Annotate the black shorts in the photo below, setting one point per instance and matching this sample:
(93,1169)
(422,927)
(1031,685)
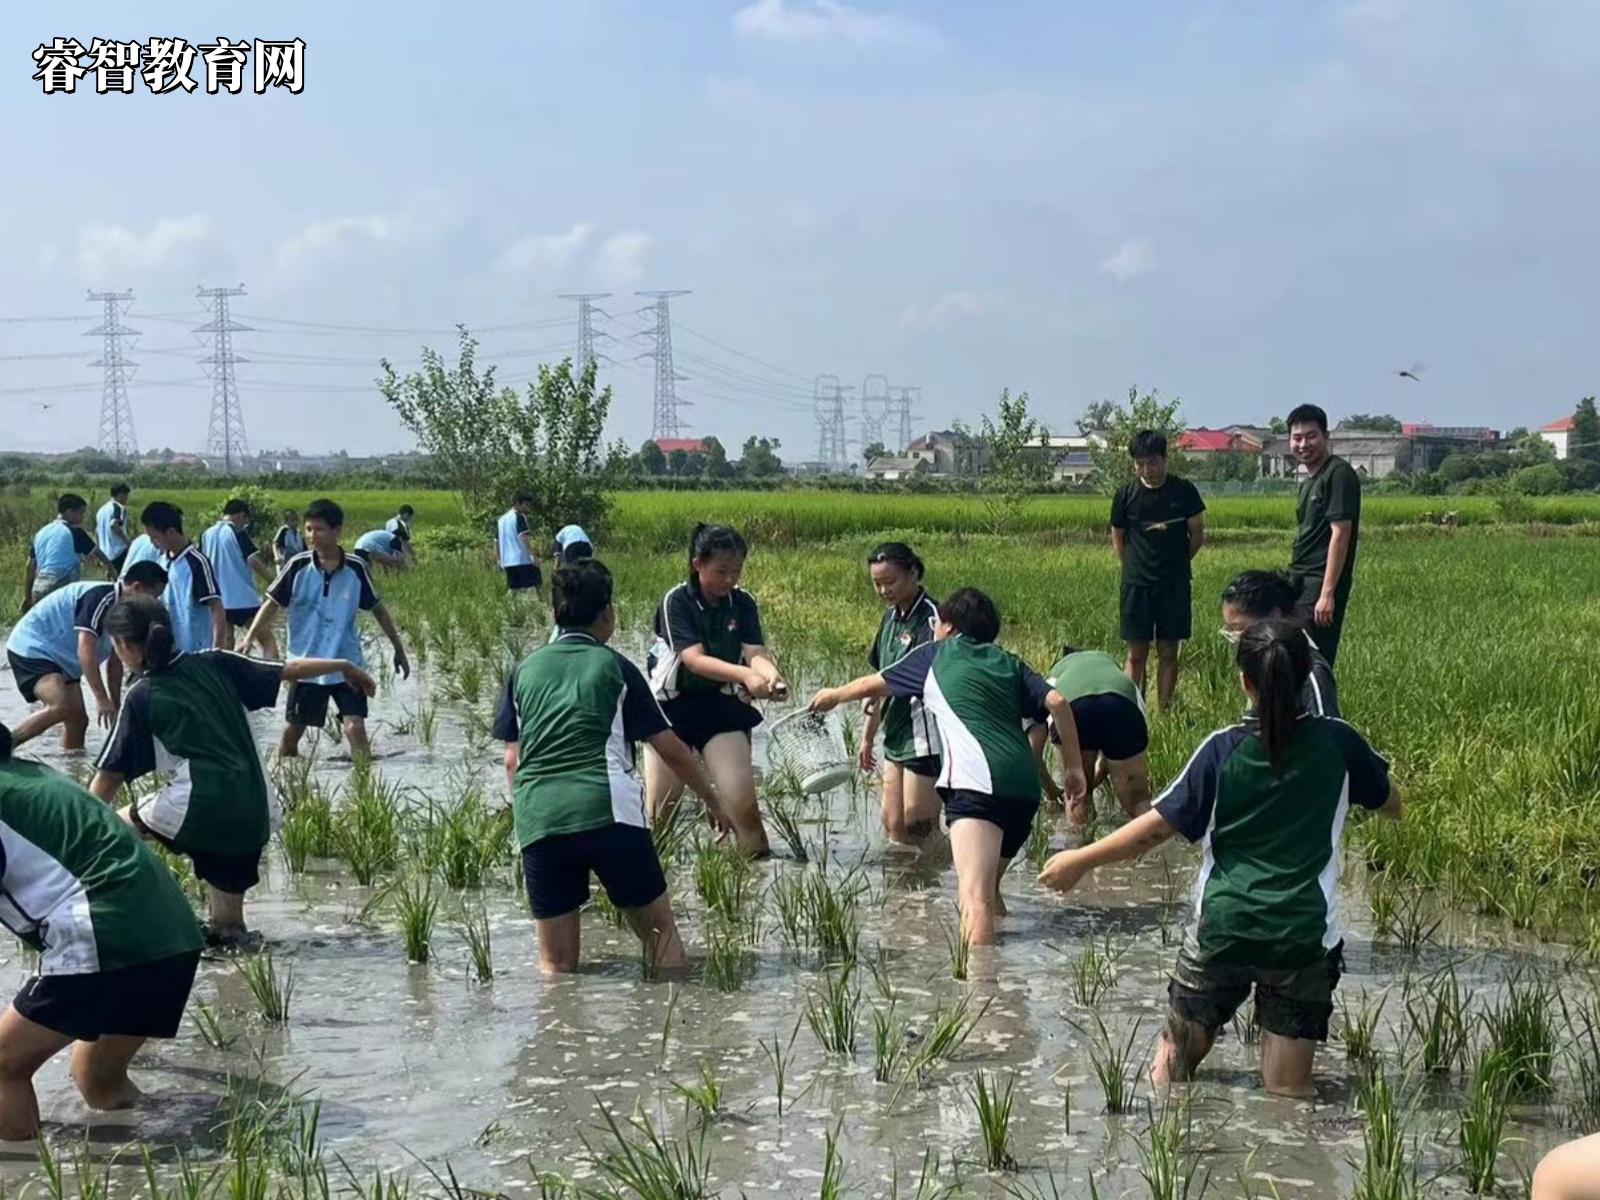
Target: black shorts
(1108,724)
(1292,1003)
(926,765)
(1013,814)
(363,556)
(307,703)
(29,671)
(242,618)
(702,716)
(623,856)
(520,579)
(144,1001)
(235,874)
(577,552)
(119,562)
(1326,637)
(1156,614)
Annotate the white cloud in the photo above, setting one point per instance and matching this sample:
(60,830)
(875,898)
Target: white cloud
(545,253)
(1134,257)
(421,219)
(949,305)
(824,21)
(622,256)
(103,249)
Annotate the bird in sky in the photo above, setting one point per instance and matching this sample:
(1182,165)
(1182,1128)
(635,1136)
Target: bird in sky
(46,407)
(1413,372)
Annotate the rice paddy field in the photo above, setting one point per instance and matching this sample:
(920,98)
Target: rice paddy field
(833,1037)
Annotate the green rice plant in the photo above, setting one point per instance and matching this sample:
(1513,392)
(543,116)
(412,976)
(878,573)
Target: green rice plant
(1583,1024)
(307,831)
(1520,900)
(1359,1030)
(1437,1020)
(958,939)
(948,1031)
(1115,1064)
(190,1182)
(273,993)
(1038,844)
(994,1121)
(1482,1130)
(428,725)
(672,831)
(1400,913)
(929,1185)
(781,1056)
(367,828)
(1094,970)
(602,904)
(889,1043)
(643,1161)
(704,1095)
(1389,1167)
(832,1186)
(724,878)
(1168,1163)
(1522,1028)
(209,1025)
(783,809)
(818,913)
(473,927)
(417,905)
(728,960)
(832,1010)
(465,840)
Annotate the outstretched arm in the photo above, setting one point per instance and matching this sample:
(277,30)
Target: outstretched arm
(1139,836)
(867,686)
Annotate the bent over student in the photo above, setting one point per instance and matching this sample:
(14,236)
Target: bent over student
(1267,798)
(570,717)
(1253,596)
(118,944)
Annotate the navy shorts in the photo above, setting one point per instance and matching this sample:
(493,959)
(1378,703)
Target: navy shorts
(29,671)
(520,579)
(307,703)
(241,618)
(1157,614)
(926,765)
(622,856)
(145,1001)
(234,874)
(1109,724)
(1013,814)
(699,717)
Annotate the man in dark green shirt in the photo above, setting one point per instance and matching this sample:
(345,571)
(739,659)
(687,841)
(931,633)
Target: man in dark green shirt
(1327,528)
(1157,525)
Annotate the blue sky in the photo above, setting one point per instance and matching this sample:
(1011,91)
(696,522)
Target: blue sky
(1244,203)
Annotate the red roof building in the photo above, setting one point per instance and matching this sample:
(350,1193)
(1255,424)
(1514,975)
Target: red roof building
(1214,441)
(687,445)
(1563,425)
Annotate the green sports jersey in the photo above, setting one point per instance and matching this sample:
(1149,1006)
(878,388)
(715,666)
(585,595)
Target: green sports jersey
(188,722)
(908,728)
(1091,673)
(78,885)
(1267,895)
(980,697)
(574,708)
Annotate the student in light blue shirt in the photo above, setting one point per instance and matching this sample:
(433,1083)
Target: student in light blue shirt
(383,548)
(56,554)
(199,622)
(517,558)
(290,538)
(111,527)
(400,526)
(141,549)
(62,640)
(322,591)
(237,562)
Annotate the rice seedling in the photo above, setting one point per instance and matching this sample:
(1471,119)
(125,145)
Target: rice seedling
(417,905)
(1437,1021)
(1038,844)
(367,829)
(1167,1163)
(1094,970)
(723,877)
(473,927)
(1583,1106)
(428,725)
(1400,912)
(781,1056)
(462,841)
(994,1121)
(889,1044)
(602,904)
(643,1161)
(704,1095)
(1389,1167)
(1115,1063)
(1522,1029)
(1482,1130)
(728,961)
(832,1010)
(818,913)
(947,1032)
(191,1182)
(783,811)
(210,1028)
(273,993)
(832,1185)
(929,1185)
(673,832)
(958,939)
(1246,1023)
(1360,1029)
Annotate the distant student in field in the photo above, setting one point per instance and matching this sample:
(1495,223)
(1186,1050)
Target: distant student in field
(1327,528)
(980,697)
(111,528)
(186,717)
(573,544)
(570,718)
(141,549)
(709,662)
(1268,799)
(1158,525)
(400,526)
(517,557)
(1112,734)
(61,641)
(378,547)
(199,621)
(322,591)
(289,540)
(1253,596)
(118,945)
(1569,1172)
(237,562)
(910,800)
(56,554)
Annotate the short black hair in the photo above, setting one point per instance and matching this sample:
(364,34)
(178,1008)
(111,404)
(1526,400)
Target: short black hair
(1261,593)
(120,490)
(1148,443)
(161,515)
(326,511)
(146,573)
(972,614)
(407,511)
(234,507)
(290,512)
(580,592)
(69,502)
(522,498)
(1307,414)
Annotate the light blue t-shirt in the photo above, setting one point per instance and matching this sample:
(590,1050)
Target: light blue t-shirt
(58,549)
(570,535)
(322,607)
(512,552)
(49,630)
(191,586)
(142,549)
(379,541)
(229,559)
(111,513)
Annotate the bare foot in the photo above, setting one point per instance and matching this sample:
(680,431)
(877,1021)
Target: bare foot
(115,1099)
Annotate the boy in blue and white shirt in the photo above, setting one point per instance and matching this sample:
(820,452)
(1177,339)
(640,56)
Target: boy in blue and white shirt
(111,527)
(56,554)
(573,544)
(237,562)
(517,558)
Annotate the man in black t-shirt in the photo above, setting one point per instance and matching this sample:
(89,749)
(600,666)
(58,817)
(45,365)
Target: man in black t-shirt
(1157,525)
(1327,528)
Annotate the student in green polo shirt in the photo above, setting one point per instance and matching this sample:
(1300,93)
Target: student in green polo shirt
(910,803)
(980,697)
(1268,799)
(707,667)
(572,712)
(185,716)
(1112,734)
(117,942)
(1327,529)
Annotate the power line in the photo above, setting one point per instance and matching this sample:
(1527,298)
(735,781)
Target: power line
(743,355)
(664,422)
(898,416)
(874,409)
(831,449)
(226,439)
(116,411)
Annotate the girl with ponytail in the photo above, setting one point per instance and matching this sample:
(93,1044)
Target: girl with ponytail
(1267,798)
(216,807)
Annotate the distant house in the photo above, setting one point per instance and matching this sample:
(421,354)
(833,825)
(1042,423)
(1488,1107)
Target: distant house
(1373,455)
(1075,466)
(937,449)
(687,445)
(1559,435)
(891,469)
(1202,443)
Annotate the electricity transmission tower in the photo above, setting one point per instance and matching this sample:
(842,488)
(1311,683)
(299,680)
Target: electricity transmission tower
(898,417)
(226,439)
(874,409)
(586,311)
(829,406)
(665,423)
(116,412)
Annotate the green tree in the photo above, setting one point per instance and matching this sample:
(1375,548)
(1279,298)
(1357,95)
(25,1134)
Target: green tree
(1532,451)
(1545,479)
(651,460)
(558,449)
(760,459)
(677,463)
(1458,468)
(1009,454)
(1098,416)
(1584,441)
(876,450)
(1373,423)
(1278,425)
(716,456)
(1112,466)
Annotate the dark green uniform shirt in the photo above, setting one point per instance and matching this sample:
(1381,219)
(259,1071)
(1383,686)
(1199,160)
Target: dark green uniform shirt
(908,728)
(1332,494)
(688,617)
(1155,525)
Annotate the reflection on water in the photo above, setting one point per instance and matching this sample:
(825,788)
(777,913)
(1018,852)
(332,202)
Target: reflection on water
(503,1080)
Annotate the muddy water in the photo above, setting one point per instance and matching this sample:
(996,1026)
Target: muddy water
(502,1080)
